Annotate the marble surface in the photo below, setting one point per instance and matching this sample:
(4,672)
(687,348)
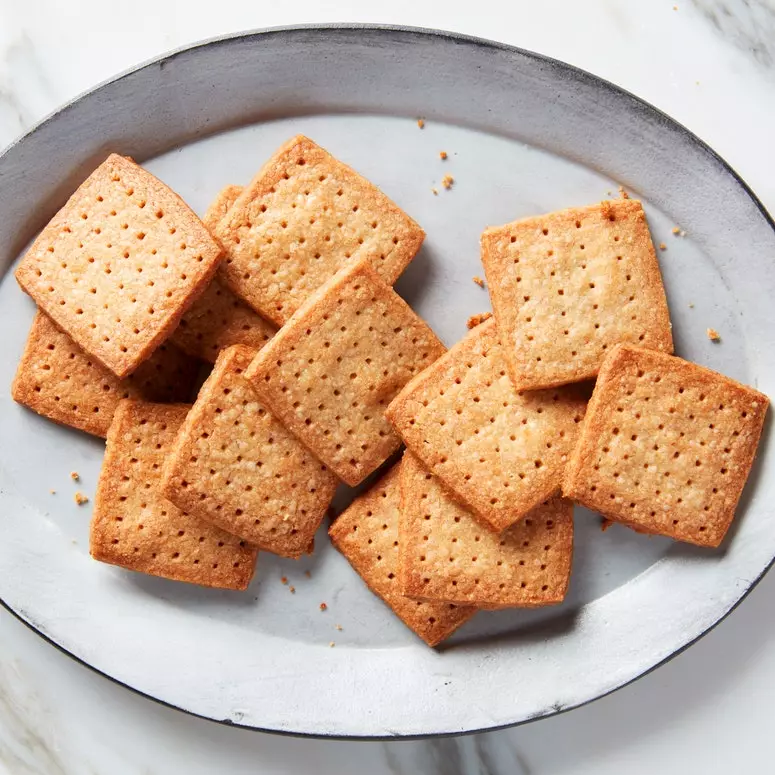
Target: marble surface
(708,63)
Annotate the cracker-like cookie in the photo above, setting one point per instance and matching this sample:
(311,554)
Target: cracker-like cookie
(367,535)
(221,205)
(217,320)
(119,264)
(58,380)
(566,287)
(446,554)
(302,218)
(236,466)
(135,527)
(500,451)
(666,446)
(331,371)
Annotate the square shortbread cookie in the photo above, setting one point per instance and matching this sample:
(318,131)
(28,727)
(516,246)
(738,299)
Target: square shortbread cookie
(446,554)
(666,446)
(135,527)
(566,287)
(119,264)
(218,319)
(331,371)
(236,466)
(500,451)
(221,205)
(58,380)
(302,218)
(367,535)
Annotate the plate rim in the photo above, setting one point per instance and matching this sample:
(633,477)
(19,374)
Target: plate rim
(426,34)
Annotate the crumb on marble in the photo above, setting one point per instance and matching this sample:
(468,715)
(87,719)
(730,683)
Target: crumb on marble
(421,123)
(605,524)
(338,627)
(622,193)
(80,498)
(292,590)
(676,231)
(323,607)
(53,492)
(435,191)
(307,574)
(447,181)
(478,280)
(713,335)
(331,644)
(442,155)
(662,246)
(284,579)
(691,306)
(75,476)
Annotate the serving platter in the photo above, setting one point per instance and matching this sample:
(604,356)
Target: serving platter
(524,135)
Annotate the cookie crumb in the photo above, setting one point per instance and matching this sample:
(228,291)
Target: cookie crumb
(713,335)
(331,644)
(605,524)
(676,231)
(338,627)
(53,492)
(80,498)
(75,476)
(478,280)
(622,193)
(447,181)
(478,319)
(435,191)
(691,306)
(307,574)
(292,590)
(421,123)
(323,607)
(442,155)
(662,246)
(284,579)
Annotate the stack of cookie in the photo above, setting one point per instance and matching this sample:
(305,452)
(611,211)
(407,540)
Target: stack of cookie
(319,372)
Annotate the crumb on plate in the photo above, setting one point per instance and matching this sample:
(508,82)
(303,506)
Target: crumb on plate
(442,155)
(676,230)
(421,123)
(447,181)
(338,627)
(662,246)
(605,524)
(323,607)
(292,590)
(435,191)
(307,574)
(478,280)
(284,579)
(713,335)
(80,498)
(75,476)
(331,644)
(622,193)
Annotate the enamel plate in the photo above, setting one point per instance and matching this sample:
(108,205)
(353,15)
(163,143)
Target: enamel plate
(524,135)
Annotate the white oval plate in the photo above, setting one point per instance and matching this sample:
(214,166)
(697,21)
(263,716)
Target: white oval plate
(524,135)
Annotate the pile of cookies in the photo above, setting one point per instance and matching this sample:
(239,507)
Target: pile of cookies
(319,372)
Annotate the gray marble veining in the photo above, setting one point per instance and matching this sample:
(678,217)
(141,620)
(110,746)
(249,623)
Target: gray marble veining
(25,91)
(747,24)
